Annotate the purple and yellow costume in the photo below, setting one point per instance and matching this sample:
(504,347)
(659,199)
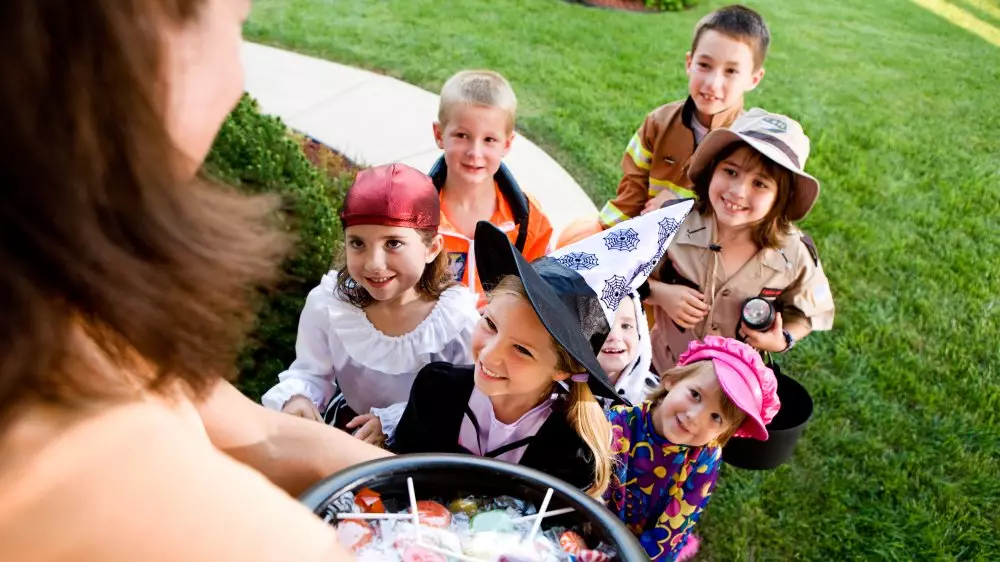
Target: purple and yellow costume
(660,488)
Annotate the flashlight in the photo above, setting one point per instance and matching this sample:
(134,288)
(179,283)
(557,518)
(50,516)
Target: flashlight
(758,314)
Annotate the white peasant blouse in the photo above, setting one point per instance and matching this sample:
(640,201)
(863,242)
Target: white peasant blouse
(337,346)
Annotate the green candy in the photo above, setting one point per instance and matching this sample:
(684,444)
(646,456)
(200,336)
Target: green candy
(495,520)
(468,506)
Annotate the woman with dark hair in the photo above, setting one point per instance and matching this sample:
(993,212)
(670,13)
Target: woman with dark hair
(124,294)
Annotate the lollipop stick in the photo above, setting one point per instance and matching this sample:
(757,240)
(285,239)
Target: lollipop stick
(449,553)
(413,506)
(553,513)
(541,515)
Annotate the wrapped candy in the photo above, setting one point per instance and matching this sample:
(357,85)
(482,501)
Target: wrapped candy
(369,501)
(572,542)
(496,520)
(417,553)
(433,514)
(592,556)
(354,535)
(467,505)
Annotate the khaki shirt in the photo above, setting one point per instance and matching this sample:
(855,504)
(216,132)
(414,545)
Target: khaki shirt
(657,158)
(792,275)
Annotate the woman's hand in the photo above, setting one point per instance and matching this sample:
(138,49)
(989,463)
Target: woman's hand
(772,340)
(302,407)
(370,429)
(684,305)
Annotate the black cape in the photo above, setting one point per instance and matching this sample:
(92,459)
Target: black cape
(433,418)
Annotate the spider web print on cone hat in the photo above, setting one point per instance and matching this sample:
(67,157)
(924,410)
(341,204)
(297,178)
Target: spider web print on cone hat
(617,261)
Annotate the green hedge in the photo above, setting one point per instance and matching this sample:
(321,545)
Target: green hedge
(253,152)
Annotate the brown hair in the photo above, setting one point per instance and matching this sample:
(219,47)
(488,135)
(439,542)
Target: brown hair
(584,412)
(730,411)
(741,24)
(436,279)
(770,232)
(102,244)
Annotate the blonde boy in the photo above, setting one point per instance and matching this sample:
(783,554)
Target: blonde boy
(475,128)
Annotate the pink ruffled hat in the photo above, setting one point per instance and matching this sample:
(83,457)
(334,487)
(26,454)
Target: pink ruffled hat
(744,378)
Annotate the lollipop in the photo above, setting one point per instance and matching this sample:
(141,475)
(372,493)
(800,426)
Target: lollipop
(354,534)
(433,514)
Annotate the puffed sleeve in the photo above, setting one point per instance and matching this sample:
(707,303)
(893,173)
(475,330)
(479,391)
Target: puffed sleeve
(311,374)
(809,299)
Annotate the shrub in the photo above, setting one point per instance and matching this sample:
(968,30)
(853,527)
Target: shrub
(671,5)
(254,153)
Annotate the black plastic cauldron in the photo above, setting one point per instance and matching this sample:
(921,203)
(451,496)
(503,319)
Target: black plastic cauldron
(783,431)
(440,475)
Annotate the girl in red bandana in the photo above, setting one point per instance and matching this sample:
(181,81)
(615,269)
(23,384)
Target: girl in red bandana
(392,308)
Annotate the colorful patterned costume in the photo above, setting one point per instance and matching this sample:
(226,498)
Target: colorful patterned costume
(660,488)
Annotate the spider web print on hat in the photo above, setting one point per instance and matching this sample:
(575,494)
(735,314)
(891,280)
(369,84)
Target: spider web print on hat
(617,261)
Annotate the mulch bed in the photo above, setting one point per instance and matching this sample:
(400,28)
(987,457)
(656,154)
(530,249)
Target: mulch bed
(327,159)
(628,5)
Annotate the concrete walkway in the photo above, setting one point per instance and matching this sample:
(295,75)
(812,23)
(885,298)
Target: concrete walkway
(373,119)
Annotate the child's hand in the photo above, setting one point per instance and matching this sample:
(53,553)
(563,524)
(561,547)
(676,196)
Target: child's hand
(370,428)
(302,407)
(684,305)
(772,340)
(658,201)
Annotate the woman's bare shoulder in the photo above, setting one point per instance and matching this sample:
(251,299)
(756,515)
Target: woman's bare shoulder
(141,482)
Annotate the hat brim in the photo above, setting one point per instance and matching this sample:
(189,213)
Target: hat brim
(496,258)
(804,194)
(736,388)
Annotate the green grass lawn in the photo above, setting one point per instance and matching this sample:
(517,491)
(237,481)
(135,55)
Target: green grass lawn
(902,459)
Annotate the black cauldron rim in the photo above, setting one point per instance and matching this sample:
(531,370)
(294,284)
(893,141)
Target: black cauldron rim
(318,497)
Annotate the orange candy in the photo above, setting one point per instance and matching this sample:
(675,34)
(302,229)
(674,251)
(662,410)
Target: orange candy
(572,543)
(433,514)
(369,501)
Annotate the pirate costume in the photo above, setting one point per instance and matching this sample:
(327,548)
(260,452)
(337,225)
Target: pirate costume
(344,365)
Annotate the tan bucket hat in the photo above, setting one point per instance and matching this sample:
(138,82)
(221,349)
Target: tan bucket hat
(776,136)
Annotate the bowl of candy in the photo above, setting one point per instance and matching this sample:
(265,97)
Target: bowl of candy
(444,508)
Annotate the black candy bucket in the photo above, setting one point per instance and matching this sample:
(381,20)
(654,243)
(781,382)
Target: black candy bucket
(450,475)
(783,431)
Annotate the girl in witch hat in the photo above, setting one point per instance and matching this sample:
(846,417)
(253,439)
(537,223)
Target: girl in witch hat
(367,329)
(669,448)
(545,323)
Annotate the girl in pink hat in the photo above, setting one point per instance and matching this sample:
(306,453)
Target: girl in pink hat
(669,448)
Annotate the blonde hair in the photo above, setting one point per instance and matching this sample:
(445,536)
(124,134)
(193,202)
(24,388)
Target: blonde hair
(478,87)
(729,409)
(583,412)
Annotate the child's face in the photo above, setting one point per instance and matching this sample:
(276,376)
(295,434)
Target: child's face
(720,71)
(741,193)
(475,140)
(623,342)
(388,261)
(691,413)
(513,352)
